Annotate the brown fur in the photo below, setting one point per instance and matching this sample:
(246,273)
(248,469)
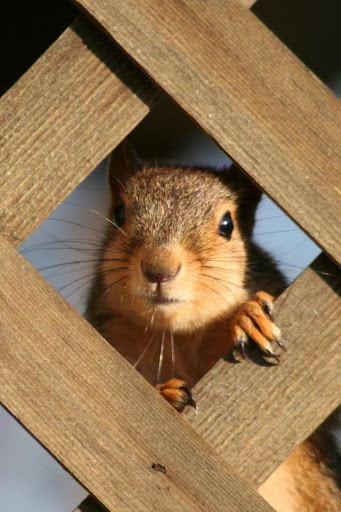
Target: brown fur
(171,224)
(310,479)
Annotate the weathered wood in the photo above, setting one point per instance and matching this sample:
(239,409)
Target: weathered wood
(78,101)
(249,92)
(180,491)
(255,415)
(96,414)
(247,3)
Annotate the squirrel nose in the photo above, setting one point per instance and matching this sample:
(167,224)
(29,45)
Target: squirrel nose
(157,275)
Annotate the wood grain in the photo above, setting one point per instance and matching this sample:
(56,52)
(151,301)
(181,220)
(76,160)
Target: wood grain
(247,91)
(96,414)
(247,3)
(76,103)
(35,343)
(255,416)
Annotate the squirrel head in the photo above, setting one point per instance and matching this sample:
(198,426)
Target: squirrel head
(175,256)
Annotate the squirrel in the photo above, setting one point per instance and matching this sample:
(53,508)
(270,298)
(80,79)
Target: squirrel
(180,284)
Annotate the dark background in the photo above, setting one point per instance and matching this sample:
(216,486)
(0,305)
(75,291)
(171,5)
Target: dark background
(311,28)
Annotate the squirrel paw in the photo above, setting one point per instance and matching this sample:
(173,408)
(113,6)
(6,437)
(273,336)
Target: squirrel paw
(176,393)
(254,320)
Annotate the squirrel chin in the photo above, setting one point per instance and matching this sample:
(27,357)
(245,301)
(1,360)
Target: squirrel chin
(182,317)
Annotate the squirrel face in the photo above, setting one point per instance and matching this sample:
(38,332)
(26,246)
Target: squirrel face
(175,255)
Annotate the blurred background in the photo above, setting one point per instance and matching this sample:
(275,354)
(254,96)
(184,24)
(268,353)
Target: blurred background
(64,247)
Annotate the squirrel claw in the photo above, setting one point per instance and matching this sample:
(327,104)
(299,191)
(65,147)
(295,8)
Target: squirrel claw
(241,349)
(280,344)
(177,394)
(190,400)
(273,355)
(268,308)
(254,321)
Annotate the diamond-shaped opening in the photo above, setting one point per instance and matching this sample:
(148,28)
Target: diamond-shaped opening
(65,250)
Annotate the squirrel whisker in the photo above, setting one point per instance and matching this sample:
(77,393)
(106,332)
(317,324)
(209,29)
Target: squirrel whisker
(109,220)
(162,348)
(215,291)
(85,283)
(92,275)
(222,281)
(173,353)
(143,352)
(91,228)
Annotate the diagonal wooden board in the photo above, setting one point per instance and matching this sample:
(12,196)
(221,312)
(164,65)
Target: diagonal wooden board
(76,103)
(96,414)
(256,415)
(246,90)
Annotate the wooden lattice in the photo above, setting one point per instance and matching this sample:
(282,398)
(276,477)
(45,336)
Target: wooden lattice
(58,376)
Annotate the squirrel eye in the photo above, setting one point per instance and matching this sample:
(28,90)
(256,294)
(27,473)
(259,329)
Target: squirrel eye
(226,225)
(119,215)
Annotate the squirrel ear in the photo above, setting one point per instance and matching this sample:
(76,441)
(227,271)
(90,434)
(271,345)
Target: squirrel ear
(248,195)
(123,162)
(246,190)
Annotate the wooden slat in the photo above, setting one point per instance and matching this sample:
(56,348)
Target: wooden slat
(256,415)
(96,414)
(76,103)
(247,3)
(249,92)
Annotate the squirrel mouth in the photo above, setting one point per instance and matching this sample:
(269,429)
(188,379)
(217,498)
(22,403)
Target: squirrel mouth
(161,299)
